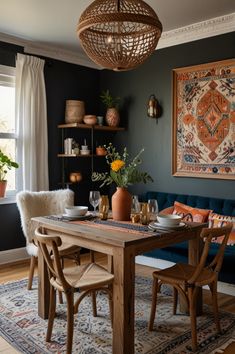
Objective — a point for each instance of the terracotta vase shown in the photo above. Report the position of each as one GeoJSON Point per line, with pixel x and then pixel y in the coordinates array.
{"type": "Point", "coordinates": [3, 186]}
{"type": "Point", "coordinates": [121, 204]}
{"type": "Point", "coordinates": [112, 117]}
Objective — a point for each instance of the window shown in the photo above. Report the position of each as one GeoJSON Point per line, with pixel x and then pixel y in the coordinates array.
{"type": "Point", "coordinates": [8, 136]}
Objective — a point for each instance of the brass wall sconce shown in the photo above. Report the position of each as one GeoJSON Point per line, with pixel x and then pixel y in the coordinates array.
{"type": "Point", "coordinates": [153, 107]}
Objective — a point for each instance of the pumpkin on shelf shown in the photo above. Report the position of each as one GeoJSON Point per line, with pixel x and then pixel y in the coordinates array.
{"type": "Point", "coordinates": [75, 177]}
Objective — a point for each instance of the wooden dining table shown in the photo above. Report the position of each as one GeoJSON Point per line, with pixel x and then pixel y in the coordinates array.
{"type": "Point", "coordinates": [121, 245]}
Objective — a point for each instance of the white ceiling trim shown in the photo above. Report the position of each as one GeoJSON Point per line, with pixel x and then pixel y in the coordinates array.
{"type": "Point", "coordinates": [196, 31]}
{"type": "Point", "coordinates": [200, 30]}
{"type": "Point", "coordinates": [64, 55]}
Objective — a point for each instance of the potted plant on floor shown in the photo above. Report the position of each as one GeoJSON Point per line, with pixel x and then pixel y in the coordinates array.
{"type": "Point", "coordinates": [5, 164]}
{"type": "Point", "coordinates": [112, 115]}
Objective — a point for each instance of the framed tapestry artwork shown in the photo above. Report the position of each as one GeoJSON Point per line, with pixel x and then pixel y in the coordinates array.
{"type": "Point", "coordinates": [204, 120]}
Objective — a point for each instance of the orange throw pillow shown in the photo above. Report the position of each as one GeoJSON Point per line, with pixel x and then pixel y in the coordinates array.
{"type": "Point", "coordinates": [191, 214]}
{"type": "Point", "coordinates": [217, 220]}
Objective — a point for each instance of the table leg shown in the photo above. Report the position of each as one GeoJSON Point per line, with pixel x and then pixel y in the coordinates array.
{"type": "Point", "coordinates": [123, 301]}
{"type": "Point", "coordinates": [194, 253]}
{"type": "Point", "coordinates": [43, 287]}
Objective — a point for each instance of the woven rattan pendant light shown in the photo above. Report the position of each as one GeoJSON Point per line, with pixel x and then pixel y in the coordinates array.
{"type": "Point", "coordinates": [119, 34]}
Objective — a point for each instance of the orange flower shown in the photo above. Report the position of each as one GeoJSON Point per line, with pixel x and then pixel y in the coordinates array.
{"type": "Point", "coordinates": [116, 165]}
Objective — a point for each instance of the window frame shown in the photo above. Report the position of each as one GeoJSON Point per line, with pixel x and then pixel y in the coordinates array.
{"type": "Point", "coordinates": [7, 79]}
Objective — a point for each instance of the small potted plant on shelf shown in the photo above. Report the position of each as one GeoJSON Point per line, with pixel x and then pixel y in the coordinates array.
{"type": "Point", "coordinates": [5, 164]}
{"type": "Point", "coordinates": [112, 115]}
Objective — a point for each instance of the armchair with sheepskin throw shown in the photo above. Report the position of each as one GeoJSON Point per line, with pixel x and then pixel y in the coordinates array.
{"type": "Point", "coordinates": [33, 204]}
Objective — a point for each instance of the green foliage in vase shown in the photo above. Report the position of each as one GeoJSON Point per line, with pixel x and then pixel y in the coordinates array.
{"type": "Point", "coordinates": [123, 172]}
{"type": "Point", "coordinates": [6, 164]}
{"type": "Point", "coordinates": [108, 100]}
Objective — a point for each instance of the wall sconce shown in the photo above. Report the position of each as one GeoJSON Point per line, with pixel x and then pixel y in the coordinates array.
{"type": "Point", "coordinates": [153, 107]}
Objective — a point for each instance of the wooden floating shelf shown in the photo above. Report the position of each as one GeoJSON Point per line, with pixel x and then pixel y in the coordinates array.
{"type": "Point", "coordinates": [73, 155]}
{"type": "Point", "coordinates": [88, 126]}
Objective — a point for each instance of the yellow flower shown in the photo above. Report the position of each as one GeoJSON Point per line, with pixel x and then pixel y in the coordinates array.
{"type": "Point", "coordinates": [116, 165]}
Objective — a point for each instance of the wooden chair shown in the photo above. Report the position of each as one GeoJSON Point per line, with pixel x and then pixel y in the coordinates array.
{"type": "Point", "coordinates": [32, 204]}
{"type": "Point", "coordinates": [187, 279]}
{"type": "Point", "coordinates": [88, 278]}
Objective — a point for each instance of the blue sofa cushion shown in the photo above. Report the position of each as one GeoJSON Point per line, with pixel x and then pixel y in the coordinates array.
{"type": "Point", "coordinates": [179, 252]}
{"type": "Point", "coordinates": [220, 206]}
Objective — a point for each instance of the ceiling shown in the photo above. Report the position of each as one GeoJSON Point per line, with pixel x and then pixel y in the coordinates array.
{"type": "Point", "coordinates": [53, 22]}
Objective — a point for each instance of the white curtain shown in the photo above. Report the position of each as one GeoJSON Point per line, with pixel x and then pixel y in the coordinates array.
{"type": "Point", "coordinates": [31, 115]}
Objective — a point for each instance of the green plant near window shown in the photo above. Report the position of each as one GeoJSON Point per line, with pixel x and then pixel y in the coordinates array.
{"type": "Point", "coordinates": [6, 164]}
{"type": "Point", "coordinates": [108, 100]}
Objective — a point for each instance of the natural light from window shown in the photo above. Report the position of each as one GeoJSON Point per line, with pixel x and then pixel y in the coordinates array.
{"type": "Point", "coordinates": [7, 127]}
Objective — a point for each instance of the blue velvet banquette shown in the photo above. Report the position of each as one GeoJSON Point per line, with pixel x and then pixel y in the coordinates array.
{"type": "Point", "coordinates": [179, 252]}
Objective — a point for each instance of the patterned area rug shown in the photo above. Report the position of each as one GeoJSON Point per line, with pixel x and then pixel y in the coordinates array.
{"type": "Point", "coordinates": [23, 329]}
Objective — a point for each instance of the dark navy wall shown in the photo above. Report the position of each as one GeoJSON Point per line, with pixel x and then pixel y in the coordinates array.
{"type": "Point", "coordinates": [63, 81]}
{"type": "Point", "coordinates": [155, 76]}
{"type": "Point", "coordinates": [68, 81]}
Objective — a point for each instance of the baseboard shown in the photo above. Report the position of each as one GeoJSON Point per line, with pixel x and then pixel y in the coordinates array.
{"type": "Point", "coordinates": [225, 288]}
{"type": "Point", "coordinates": [11, 256]}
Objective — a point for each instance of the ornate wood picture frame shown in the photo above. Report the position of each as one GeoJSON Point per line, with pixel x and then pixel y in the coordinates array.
{"type": "Point", "coordinates": [204, 121]}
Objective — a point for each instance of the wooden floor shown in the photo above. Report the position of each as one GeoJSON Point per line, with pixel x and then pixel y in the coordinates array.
{"type": "Point", "coordinates": [19, 270]}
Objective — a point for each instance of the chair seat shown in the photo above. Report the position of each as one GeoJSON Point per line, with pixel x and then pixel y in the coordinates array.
{"type": "Point", "coordinates": [86, 276]}
{"type": "Point", "coordinates": [180, 273]}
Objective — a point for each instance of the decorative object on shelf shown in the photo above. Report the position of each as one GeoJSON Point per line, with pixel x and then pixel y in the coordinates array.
{"type": "Point", "coordinates": [101, 151]}
{"type": "Point", "coordinates": [74, 111]}
{"type": "Point", "coordinates": [153, 107]}
{"type": "Point", "coordinates": [112, 115]}
{"type": "Point", "coordinates": [68, 143]}
{"type": "Point", "coordinates": [203, 121]}
{"type": "Point", "coordinates": [123, 173]}
{"type": "Point", "coordinates": [119, 34]}
{"type": "Point", "coordinates": [84, 149]}
{"type": "Point", "coordinates": [75, 177]}
{"type": "Point", "coordinates": [100, 120]}
{"type": "Point", "coordinates": [85, 152]}
{"type": "Point", "coordinates": [6, 164]}
{"type": "Point", "coordinates": [90, 119]}
{"type": "Point", "coordinates": [75, 148]}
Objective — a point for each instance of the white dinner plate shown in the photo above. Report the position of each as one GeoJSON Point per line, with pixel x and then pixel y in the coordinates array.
{"type": "Point", "coordinates": [157, 225]}
{"type": "Point", "coordinates": [78, 217]}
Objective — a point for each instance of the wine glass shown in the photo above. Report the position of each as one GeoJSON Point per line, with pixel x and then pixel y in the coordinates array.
{"type": "Point", "coordinates": [94, 198]}
{"type": "Point", "coordinates": [153, 208]}
{"type": "Point", "coordinates": [135, 206]}
{"type": "Point", "coordinates": [135, 209]}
